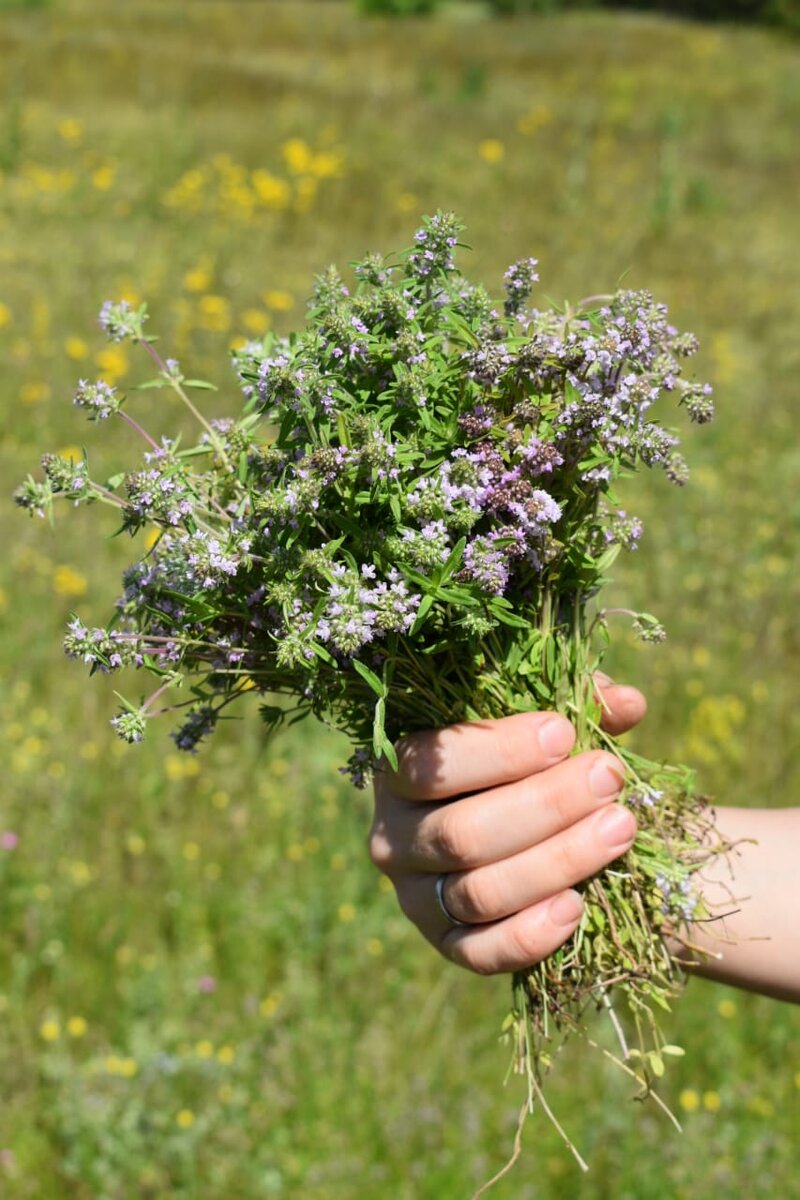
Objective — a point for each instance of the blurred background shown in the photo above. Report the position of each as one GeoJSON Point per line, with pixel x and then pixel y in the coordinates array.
{"type": "Point", "coordinates": [206, 990]}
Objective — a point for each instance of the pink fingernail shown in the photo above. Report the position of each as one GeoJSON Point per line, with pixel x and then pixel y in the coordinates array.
{"type": "Point", "coordinates": [557, 737]}
{"type": "Point", "coordinates": [605, 780]}
{"type": "Point", "coordinates": [565, 909]}
{"type": "Point", "coordinates": [616, 826]}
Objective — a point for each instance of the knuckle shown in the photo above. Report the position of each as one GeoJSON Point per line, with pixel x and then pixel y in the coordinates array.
{"type": "Point", "coordinates": [453, 839]}
{"type": "Point", "coordinates": [419, 761]}
{"type": "Point", "coordinates": [475, 897]}
{"type": "Point", "coordinates": [379, 848]}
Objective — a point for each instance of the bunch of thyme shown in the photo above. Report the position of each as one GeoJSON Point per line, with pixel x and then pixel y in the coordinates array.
{"type": "Point", "coordinates": [409, 525]}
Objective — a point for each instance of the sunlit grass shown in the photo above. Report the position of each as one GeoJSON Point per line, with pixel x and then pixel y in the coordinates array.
{"type": "Point", "coordinates": [206, 990]}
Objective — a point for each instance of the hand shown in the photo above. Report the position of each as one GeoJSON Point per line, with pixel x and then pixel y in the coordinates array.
{"type": "Point", "coordinates": [513, 822]}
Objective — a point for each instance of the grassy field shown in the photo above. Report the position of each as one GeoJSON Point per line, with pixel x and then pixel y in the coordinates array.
{"type": "Point", "coordinates": [205, 989]}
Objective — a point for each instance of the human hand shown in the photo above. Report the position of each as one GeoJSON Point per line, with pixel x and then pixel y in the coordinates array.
{"type": "Point", "coordinates": [512, 823]}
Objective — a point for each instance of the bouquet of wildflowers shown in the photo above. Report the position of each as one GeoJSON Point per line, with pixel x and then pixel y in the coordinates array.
{"type": "Point", "coordinates": [408, 525]}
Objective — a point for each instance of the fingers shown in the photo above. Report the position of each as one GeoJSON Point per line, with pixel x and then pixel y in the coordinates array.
{"type": "Point", "coordinates": [491, 893]}
{"type": "Point", "coordinates": [469, 757]}
{"type": "Point", "coordinates": [496, 891]}
{"type": "Point", "coordinates": [518, 942]}
{"type": "Point", "coordinates": [499, 822]}
{"type": "Point", "coordinates": [623, 707]}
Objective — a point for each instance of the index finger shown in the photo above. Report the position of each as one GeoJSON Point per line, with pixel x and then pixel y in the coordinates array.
{"type": "Point", "coordinates": [469, 757]}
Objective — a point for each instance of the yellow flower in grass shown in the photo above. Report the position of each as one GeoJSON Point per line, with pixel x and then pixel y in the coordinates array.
{"type": "Point", "coordinates": [297, 156]}
{"type": "Point", "coordinates": [198, 279]}
{"type": "Point", "coordinates": [346, 913]}
{"type": "Point", "coordinates": [204, 1049]}
{"type": "Point", "coordinates": [103, 177]}
{"type": "Point", "coordinates": [70, 129]}
{"type": "Point", "coordinates": [34, 392]}
{"type": "Point", "coordinates": [270, 1004]}
{"type": "Point", "coordinates": [77, 1027]}
{"type": "Point", "coordinates": [255, 320]}
{"type": "Point", "coordinates": [215, 313]}
{"type": "Point", "coordinates": [278, 300]}
{"type": "Point", "coordinates": [185, 1119]}
{"type": "Point", "coordinates": [5, 315]}
{"type": "Point", "coordinates": [112, 363]}
{"type": "Point", "coordinates": [406, 202]}
{"type": "Point", "coordinates": [726, 1009]}
{"type": "Point", "coordinates": [711, 1101]}
{"type": "Point", "coordinates": [272, 192]}
{"type": "Point", "coordinates": [491, 150]}
{"type": "Point", "coordinates": [50, 1031]}
{"type": "Point", "coordinates": [123, 1067]}
{"type": "Point", "coordinates": [68, 582]}
{"type": "Point", "coordinates": [226, 1055]}
{"type": "Point", "coordinates": [689, 1100]}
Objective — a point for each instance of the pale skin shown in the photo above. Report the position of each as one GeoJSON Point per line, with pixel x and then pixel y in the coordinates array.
{"type": "Point", "coordinates": [516, 823]}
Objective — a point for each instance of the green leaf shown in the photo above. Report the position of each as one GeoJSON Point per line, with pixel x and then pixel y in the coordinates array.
{"type": "Point", "coordinates": [150, 383]}
{"type": "Point", "coordinates": [202, 384]}
{"type": "Point", "coordinates": [422, 612]}
{"type": "Point", "coordinates": [371, 678]}
{"type": "Point", "coordinates": [656, 1063]}
{"type": "Point", "coordinates": [453, 560]}
{"type": "Point", "coordinates": [508, 618]}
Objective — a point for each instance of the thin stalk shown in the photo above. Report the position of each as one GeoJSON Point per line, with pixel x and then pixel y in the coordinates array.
{"type": "Point", "coordinates": [137, 427]}
{"type": "Point", "coordinates": [176, 387]}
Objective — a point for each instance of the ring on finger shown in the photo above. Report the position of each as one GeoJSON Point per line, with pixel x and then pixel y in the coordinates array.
{"type": "Point", "coordinates": [451, 920]}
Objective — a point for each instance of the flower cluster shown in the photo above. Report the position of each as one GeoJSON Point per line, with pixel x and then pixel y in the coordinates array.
{"type": "Point", "coordinates": [407, 526]}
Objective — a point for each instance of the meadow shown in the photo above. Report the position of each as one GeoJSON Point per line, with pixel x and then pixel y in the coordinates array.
{"type": "Point", "coordinates": [206, 990]}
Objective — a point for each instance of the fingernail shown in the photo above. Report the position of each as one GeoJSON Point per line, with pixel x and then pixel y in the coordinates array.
{"type": "Point", "coordinates": [565, 909]}
{"type": "Point", "coordinates": [603, 679]}
{"type": "Point", "coordinates": [604, 780]}
{"type": "Point", "coordinates": [557, 737]}
{"type": "Point", "coordinates": [616, 826]}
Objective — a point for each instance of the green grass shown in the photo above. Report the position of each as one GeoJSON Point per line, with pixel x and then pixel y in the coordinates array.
{"type": "Point", "coordinates": [338, 1057]}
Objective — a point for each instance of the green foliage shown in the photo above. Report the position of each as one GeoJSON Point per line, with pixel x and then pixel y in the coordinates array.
{"type": "Point", "coordinates": [364, 1065]}
{"type": "Point", "coordinates": [397, 8]}
{"type": "Point", "coordinates": [783, 13]}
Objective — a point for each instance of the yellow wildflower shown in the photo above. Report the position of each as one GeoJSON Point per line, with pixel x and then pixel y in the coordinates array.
{"type": "Point", "coordinates": [297, 155]}
{"type": "Point", "coordinates": [103, 177]}
{"type": "Point", "coordinates": [491, 150]}
{"type": "Point", "coordinates": [255, 320]}
{"type": "Point", "coordinates": [226, 1055]}
{"type": "Point", "coordinates": [711, 1101]}
{"type": "Point", "coordinates": [5, 315]}
{"type": "Point", "coordinates": [726, 1009]}
{"type": "Point", "coordinates": [185, 1119]}
{"type": "Point", "coordinates": [76, 348]}
{"type": "Point", "coordinates": [50, 1031]}
{"type": "Point", "coordinates": [77, 1027]}
{"type": "Point", "coordinates": [70, 129]}
{"type": "Point", "coordinates": [68, 582]}
{"type": "Point", "coordinates": [204, 1049]}
{"type": "Point", "coordinates": [346, 913]}
{"type": "Point", "coordinates": [278, 301]}
{"type": "Point", "coordinates": [34, 392]}
{"type": "Point", "coordinates": [113, 362]}
{"type": "Point", "coordinates": [135, 844]}
{"type": "Point", "coordinates": [270, 1004]}
{"type": "Point", "coordinates": [689, 1100]}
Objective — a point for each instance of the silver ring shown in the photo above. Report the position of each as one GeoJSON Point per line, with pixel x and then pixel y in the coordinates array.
{"type": "Point", "coordinates": [451, 920]}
